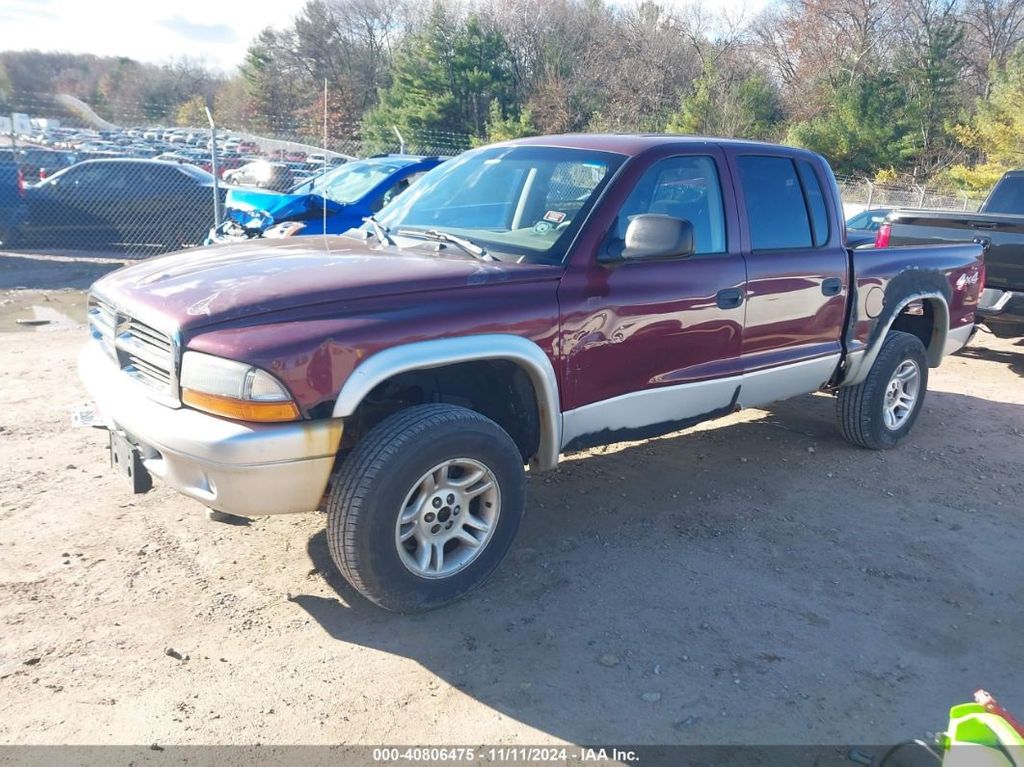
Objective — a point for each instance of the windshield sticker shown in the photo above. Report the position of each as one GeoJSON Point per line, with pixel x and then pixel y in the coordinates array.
{"type": "Point", "coordinates": [554, 216]}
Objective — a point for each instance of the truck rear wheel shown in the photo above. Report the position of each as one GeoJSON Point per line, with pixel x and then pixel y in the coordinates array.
{"type": "Point", "coordinates": [425, 507]}
{"type": "Point", "coordinates": [881, 410]}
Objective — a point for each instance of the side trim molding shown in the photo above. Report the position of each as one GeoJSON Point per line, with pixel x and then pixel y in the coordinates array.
{"type": "Point", "coordinates": [423, 355]}
{"type": "Point", "coordinates": [653, 412]}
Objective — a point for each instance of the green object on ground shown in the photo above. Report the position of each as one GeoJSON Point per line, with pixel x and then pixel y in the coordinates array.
{"type": "Point", "coordinates": [978, 738]}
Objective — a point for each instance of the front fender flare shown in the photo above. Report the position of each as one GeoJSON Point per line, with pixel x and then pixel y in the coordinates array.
{"type": "Point", "coordinates": [423, 355]}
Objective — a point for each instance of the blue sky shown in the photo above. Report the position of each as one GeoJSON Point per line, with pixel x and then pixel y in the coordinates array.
{"type": "Point", "coordinates": [217, 31]}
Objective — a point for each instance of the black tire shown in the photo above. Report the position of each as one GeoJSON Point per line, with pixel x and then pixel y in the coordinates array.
{"type": "Point", "coordinates": [860, 408]}
{"type": "Point", "coordinates": [371, 486]}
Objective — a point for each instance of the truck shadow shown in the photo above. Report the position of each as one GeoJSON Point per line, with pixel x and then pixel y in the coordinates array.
{"type": "Point", "coordinates": [1013, 360]}
{"type": "Point", "coordinates": [757, 581]}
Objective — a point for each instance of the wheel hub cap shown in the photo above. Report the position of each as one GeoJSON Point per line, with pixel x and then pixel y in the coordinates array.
{"type": "Point", "coordinates": [901, 394]}
{"type": "Point", "coordinates": [448, 518]}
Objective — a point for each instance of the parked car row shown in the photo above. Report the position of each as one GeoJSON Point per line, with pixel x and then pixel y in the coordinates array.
{"type": "Point", "coordinates": [191, 145]}
{"type": "Point", "coordinates": [144, 190]}
{"type": "Point", "coordinates": [168, 203]}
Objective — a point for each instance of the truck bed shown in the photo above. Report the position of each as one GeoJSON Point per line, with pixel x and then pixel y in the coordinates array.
{"type": "Point", "coordinates": [1004, 263]}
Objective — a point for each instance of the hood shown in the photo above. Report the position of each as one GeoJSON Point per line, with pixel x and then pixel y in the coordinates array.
{"type": "Point", "coordinates": [235, 281]}
{"type": "Point", "coordinates": [277, 205]}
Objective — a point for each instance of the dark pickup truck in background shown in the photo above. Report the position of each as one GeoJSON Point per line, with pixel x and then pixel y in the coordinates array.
{"type": "Point", "coordinates": [1000, 223]}
{"type": "Point", "coordinates": [520, 301]}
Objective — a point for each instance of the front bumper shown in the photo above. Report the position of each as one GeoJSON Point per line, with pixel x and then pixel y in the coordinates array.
{"type": "Point", "coordinates": [238, 468]}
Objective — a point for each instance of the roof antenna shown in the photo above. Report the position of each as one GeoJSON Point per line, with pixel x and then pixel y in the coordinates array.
{"type": "Point", "coordinates": [323, 189]}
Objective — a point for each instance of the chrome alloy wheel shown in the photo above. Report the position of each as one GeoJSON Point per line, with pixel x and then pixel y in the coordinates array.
{"type": "Point", "coordinates": [448, 518]}
{"type": "Point", "coordinates": [901, 395]}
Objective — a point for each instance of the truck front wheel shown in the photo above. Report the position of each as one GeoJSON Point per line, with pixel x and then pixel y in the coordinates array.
{"type": "Point", "coordinates": [425, 507]}
{"type": "Point", "coordinates": [880, 411]}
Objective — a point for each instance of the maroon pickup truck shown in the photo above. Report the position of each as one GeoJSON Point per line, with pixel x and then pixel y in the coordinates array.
{"type": "Point", "coordinates": [523, 300]}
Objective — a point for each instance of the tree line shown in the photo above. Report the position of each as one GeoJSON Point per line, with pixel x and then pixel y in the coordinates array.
{"type": "Point", "coordinates": [913, 90]}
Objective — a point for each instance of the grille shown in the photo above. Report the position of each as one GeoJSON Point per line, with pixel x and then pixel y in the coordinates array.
{"type": "Point", "coordinates": [140, 350]}
{"type": "Point", "coordinates": [102, 320]}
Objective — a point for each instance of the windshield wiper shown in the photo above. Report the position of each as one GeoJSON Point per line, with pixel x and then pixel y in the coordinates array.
{"type": "Point", "coordinates": [379, 230]}
{"type": "Point", "coordinates": [466, 246]}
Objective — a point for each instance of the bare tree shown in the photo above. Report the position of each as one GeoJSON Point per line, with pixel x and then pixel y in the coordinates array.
{"type": "Point", "coordinates": [813, 43]}
{"type": "Point", "coordinates": [994, 30]}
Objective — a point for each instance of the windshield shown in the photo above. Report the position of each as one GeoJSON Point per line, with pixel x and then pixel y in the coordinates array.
{"type": "Point", "coordinates": [526, 201]}
{"type": "Point", "coordinates": [351, 181]}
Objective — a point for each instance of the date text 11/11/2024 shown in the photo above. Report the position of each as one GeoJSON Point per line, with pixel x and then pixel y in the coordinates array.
{"type": "Point", "coordinates": [499, 754]}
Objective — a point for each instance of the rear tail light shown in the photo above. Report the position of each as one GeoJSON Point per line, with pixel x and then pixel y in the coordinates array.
{"type": "Point", "coordinates": [43, 174]}
{"type": "Point", "coordinates": [883, 236]}
{"type": "Point", "coordinates": [21, 183]}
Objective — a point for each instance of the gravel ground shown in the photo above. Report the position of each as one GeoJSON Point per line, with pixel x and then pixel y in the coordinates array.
{"type": "Point", "coordinates": [754, 580]}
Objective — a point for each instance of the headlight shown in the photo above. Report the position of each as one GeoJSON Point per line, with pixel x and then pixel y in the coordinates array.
{"type": "Point", "coordinates": [234, 389]}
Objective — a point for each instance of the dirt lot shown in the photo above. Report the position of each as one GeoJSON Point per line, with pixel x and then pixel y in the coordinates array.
{"type": "Point", "coordinates": [756, 580]}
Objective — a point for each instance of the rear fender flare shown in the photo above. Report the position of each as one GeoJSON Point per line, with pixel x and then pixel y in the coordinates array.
{"type": "Point", "coordinates": [860, 362]}
{"type": "Point", "coordinates": [423, 355]}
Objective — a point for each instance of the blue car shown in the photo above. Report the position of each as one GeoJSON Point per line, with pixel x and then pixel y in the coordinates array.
{"type": "Point", "coordinates": [349, 193]}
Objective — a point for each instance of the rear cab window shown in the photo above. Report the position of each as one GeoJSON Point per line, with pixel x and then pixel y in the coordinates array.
{"type": "Point", "coordinates": [1007, 196]}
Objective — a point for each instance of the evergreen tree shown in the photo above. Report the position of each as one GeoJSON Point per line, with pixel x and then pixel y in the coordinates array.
{"type": "Point", "coordinates": [863, 128]}
{"type": "Point", "coordinates": [444, 80]}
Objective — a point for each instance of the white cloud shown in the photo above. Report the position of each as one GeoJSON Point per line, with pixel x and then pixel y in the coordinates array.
{"type": "Point", "coordinates": [218, 32]}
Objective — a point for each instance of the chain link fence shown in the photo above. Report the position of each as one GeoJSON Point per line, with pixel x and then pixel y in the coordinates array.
{"type": "Point", "coordinates": [121, 186]}
{"type": "Point", "coordinates": [861, 194]}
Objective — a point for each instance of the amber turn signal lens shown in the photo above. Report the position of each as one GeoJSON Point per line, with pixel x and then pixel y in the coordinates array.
{"type": "Point", "coordinates": [241, 410]}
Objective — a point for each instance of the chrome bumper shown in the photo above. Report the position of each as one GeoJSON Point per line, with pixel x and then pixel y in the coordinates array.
{"type": "Point", "coordinates": [238, 468]}
{"type": "Point", "coordinates": [994, 301]}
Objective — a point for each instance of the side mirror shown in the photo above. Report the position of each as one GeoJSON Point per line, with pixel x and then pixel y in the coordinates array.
{"type": "Point", "coordinates": [653, 236]}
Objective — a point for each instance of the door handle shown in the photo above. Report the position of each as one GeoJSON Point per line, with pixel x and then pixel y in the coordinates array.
{"type": "Point", "coordinates": [983, 225]}
{"type": "Point", "coordinates": [832, 286]}
{"type": "Point", "coordinates": [729, 298]}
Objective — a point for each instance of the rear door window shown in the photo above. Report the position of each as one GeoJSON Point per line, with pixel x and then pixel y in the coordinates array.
{"type": "Point", "coordinates": [775, 205]}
